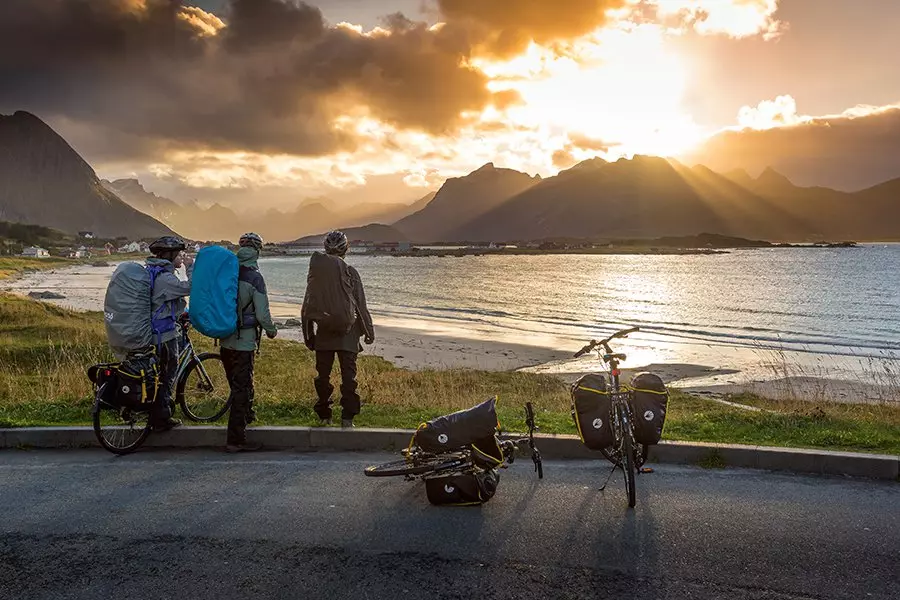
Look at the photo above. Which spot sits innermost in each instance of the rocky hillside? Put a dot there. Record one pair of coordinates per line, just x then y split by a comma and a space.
43, 181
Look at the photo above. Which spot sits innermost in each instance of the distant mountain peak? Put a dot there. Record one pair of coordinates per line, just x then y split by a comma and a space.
770, 178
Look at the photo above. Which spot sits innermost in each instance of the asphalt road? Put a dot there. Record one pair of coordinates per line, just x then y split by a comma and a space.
192, 525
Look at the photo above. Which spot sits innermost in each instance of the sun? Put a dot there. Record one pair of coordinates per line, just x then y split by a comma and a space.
621, 87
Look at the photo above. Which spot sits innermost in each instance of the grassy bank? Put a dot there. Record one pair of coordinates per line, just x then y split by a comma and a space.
44, 351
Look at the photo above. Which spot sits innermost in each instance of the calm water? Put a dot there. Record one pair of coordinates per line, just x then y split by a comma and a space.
812, 301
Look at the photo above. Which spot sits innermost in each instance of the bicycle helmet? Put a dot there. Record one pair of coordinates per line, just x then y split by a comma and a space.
168, 244
336, 243
251, 240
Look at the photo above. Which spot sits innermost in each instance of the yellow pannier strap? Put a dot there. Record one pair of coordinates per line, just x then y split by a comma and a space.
413, 440
587, 389
485, 454
665, 393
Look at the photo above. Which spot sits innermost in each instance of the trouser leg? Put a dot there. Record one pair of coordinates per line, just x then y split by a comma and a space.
168, 369
349, 396
239, 369
324, 389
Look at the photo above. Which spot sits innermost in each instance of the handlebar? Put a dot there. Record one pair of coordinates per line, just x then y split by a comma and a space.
605, 342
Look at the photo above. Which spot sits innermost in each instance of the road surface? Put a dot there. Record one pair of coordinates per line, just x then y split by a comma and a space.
195, 524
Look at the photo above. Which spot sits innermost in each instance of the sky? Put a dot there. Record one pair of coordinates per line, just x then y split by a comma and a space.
274, 101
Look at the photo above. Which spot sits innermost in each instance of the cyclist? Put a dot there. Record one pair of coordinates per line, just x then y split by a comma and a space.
239, 350
329, 344
167, 304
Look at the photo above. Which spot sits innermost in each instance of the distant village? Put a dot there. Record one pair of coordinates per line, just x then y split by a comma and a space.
87, 249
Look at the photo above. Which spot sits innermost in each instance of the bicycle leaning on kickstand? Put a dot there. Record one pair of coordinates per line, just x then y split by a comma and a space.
122, 423
623, 450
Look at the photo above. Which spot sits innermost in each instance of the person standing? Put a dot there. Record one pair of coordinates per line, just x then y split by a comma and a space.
167, 304
346, 347
239, 350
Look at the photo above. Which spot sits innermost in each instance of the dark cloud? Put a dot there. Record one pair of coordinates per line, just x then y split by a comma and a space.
272, 78
842, 152
505, 27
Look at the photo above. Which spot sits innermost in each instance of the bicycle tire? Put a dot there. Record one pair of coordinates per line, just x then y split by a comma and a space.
628, 464
219, 403
416, 467
117, 438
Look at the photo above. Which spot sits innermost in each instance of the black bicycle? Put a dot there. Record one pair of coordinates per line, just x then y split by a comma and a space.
201, 389
624, 453
418, 463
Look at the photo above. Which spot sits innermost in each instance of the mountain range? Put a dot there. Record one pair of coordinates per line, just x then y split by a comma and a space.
221, 223
43, 181
648, 197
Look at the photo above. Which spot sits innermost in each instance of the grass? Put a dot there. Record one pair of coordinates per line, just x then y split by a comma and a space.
44, 351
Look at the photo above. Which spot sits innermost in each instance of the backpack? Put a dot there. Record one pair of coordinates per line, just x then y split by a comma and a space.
329, 299
126, 309
214, 292
591, 410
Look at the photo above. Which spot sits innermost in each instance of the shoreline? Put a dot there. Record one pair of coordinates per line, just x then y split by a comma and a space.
421, 345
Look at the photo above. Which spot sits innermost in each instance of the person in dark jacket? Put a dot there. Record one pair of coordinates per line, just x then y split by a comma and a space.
167, 305
328, 345
239, 349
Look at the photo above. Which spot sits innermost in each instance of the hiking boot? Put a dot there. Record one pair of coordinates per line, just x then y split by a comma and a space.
347, 424
166, 424
324, 422
245, 447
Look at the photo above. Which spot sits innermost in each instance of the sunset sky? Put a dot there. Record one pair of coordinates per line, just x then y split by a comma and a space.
384, 99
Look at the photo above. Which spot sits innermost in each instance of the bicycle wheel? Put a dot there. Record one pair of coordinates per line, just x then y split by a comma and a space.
120, 430
203, 391
628, 462
417, 465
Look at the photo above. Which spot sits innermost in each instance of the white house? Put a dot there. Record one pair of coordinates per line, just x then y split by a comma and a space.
130, 248
35, 252
88, 235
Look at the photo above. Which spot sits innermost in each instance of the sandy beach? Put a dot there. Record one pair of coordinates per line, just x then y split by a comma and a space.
419, 345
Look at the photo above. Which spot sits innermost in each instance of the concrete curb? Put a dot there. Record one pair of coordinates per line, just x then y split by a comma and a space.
823, 462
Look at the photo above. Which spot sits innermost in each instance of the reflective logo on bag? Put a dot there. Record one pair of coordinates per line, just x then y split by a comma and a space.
449, 488
648, 416
125, 389
598, 423
443, 438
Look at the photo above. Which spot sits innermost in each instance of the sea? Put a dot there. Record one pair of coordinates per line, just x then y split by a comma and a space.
829, 311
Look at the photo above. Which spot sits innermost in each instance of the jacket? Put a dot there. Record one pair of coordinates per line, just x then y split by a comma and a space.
253, 302
169, 292
332, 341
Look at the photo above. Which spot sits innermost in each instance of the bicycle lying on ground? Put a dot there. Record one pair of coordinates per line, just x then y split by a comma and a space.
624, 453
201, 389
417, 463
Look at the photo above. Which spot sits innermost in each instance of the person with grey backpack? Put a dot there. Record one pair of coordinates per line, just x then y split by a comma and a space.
334, 318
166, 305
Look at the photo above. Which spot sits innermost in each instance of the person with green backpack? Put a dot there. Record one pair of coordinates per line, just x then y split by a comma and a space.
240, 348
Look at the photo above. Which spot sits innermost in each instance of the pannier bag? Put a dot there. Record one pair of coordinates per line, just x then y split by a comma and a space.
126, 309
486, 453
132, 383
649, 402
471, 487
459, 429
591, 410
214, 292
329, 299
